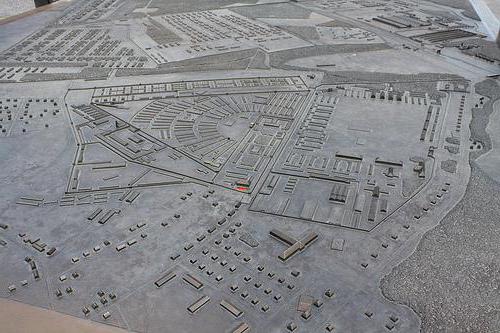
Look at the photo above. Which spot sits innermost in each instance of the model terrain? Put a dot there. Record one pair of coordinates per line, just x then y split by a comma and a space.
250, 166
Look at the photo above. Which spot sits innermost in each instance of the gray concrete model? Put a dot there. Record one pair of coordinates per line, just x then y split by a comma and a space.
252, 166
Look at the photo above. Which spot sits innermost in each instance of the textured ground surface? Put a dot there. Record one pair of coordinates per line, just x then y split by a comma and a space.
452, 280
14, 7
237, 166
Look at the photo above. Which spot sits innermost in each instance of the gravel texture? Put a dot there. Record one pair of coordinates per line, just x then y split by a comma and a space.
452, 280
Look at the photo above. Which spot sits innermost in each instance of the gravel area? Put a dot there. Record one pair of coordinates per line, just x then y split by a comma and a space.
452, 280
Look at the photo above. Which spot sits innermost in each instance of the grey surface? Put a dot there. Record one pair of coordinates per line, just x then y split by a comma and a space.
450, 280
481, 115
467, 7
489, 162
15, 7
456, 262
196, 160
